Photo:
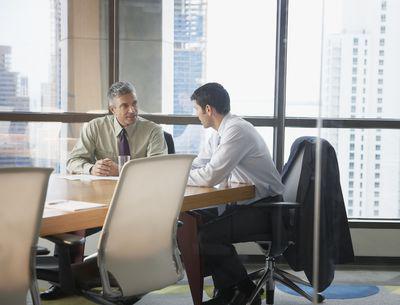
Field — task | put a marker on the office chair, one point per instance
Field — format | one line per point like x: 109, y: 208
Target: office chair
x: 137, y: 250
x: 335, y: 245
x: 57, y: 269
x: 170, y: 142
x: 23, y: 194
x: 275, y: 244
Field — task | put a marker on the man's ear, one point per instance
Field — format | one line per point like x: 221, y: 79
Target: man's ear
x: 209, y: 110
x: 111, y: 108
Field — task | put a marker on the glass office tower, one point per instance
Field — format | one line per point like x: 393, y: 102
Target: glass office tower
x: 189, y: 66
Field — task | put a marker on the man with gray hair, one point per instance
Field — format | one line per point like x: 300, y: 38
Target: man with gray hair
x: 102, y: 140
x: 122, y: 133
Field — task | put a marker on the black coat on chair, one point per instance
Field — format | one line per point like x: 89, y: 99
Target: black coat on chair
x: 335, y: 240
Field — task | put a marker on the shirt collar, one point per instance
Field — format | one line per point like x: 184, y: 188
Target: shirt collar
x: 223, y: 123
x: 129, y: 130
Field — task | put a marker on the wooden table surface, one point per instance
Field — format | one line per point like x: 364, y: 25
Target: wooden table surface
x: 56, y: 221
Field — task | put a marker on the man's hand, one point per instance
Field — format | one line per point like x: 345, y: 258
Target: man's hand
x: 104, y: 167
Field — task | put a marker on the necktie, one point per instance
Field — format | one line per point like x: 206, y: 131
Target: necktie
x: 123, y: 144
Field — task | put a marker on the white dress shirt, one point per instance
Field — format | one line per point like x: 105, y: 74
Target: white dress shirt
x: 237, y: 152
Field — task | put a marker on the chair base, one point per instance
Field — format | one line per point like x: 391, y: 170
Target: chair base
x: 268, y: 275
x: 98, y: 298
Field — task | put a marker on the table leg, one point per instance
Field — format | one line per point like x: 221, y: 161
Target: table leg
x: 190, y: 252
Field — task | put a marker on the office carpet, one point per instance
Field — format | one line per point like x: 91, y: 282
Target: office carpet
x: 180, y: 295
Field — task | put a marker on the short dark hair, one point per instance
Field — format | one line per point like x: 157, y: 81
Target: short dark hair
x: 212, y: 94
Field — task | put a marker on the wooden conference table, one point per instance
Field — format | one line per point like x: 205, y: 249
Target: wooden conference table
x: 101, y: 191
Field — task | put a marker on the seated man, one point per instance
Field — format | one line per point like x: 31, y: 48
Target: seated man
x: 122, y: 133
x: 103, y: 140
x: 237, y: 152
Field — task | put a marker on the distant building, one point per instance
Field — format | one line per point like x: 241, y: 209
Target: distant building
x: 189, y: 66
x: 14, y: 140
x: 360, y: 81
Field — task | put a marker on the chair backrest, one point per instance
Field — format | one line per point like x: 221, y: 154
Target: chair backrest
x: 138, y: 242
x: 293, y: 177
x: 170, y: 142
x: 22, y: 197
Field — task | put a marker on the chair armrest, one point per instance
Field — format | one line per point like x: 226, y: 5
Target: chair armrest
x: 180, y: 223
x: 42, y: 250
x: 282, y: 204
x: 66, y: 239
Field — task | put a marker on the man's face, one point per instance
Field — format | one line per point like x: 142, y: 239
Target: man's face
x: 203, y: 115
x: 125, y: 109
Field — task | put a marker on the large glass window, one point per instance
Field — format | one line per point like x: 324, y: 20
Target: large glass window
x: 36, y: 144
x: 55, y: 58
x: 359, y: 63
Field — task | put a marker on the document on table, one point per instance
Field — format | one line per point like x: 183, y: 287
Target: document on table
x: 88, y: 177
x: 72, y: 205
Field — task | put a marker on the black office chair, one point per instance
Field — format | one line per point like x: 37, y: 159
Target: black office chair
x: 295, y: 218
x: 170, y: 142
x: 273, y: 245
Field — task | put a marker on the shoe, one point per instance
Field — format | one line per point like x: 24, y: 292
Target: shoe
x: 240, y: 298
x: 233, y: 296
x: 222, y: 296
x: 53, y: 293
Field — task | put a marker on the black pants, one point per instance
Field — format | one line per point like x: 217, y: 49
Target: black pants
x: 218, y: 233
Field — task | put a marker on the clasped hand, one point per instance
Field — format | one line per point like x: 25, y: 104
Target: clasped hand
x: 105, y: 167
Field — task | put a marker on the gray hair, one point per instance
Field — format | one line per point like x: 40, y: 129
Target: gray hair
x: 119, y: 89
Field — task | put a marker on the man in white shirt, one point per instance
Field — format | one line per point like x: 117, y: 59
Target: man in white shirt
x: 235, y: 152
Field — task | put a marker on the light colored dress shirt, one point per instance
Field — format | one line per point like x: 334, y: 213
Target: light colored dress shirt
x: 237, y: 152
x: 99, y: 140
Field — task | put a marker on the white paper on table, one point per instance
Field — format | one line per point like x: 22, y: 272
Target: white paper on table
x: 88, y: 177
x: 72, y: 205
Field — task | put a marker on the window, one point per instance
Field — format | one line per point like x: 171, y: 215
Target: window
x: 351, y: 156
x: 353, y: 90
x: 350, y: 193
x: 350, y: 203
x: 350, y: 212
x: 380, y: 90
x: 380, y: 62
x: 383, y: 29
x: 354, y: 80
x: 376, y: 184
x: 351, y: 165
x: 351, y: 175
x: 355, y: 51
x: 355, y: 41
x: 376, y: 212
x: 380, y: 81
x: 351, y: 184
x: 383, y: 5
x: 383, y: 18
x: 351, y: 146
x: 376, y: 194
x: 380, y: 71
x: 382, y: 42
x: 353, y: 108
x: 376, y: 203
x: 379, y: 100
x: 377, y: 138
x: 354, y: 70
x: 377, y: 157
x: 381, y: 53
x: 379, y: 109
x: 377, y: 166
x: 377, y: 175
x: 355, y: 60
x: 377, y: 147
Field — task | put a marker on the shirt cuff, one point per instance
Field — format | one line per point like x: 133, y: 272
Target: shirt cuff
x: 86, y: 168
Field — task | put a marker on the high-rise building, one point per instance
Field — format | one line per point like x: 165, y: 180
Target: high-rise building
x: 14, y: 146
x: 189, y: 66
x: 360, y: 82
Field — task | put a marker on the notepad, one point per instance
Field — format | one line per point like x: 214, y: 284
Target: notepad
x: 88, y: 177
x: 72, y: 205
